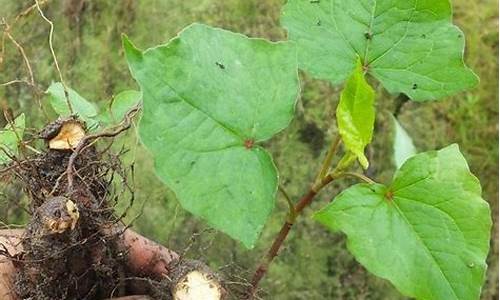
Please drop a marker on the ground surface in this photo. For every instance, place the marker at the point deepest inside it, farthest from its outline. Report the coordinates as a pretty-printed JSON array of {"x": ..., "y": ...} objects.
[{"x": 315, "y": 263}]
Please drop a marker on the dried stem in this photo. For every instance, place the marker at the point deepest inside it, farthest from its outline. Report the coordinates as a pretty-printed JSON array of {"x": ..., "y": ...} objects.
[
  {"x": 29, "y": 10},
  {"x": 112, "y": 132},
  {"x": 359, "y": 176},
  {"x": 51, "y": 46},
  {"x": 20, "y": 48},
  {"x": 15, "y": 81}
]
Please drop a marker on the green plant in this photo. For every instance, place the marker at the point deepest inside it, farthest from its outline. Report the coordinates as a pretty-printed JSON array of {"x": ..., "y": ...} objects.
[{"x": 211, "y": 96}]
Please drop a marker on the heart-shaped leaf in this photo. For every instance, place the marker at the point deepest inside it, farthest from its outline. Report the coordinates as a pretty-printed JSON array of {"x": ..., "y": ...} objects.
[
  {"x": 410, "y": 46},
  {"x": 428, "y": 232},
  {"x": 209, "y": 96},
  {"x": 356, "y": 114}
]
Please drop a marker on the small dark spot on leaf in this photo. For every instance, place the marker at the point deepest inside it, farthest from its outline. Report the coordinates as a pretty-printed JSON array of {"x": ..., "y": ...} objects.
[
  {"x": 415, "y": 86},
  {"x": 177, "y": 182},
  {"x": 249, "y": 143},
  {"x": 313, "y": 136},
  {"x": 423, "y": 36},
  {"x": 368, "y": 35},
  {"x": 314, "y": 1},
  {"x": 193, "y": 162},
  {"x": 459, "y": 36},
  {"x": 318, "y": 23},
  {"x": 220, "y": 65}
]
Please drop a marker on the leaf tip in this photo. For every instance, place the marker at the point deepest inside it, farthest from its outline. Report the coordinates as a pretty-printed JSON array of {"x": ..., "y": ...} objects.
[
  {"x": 363, "y": 161},
  {"x": 132, "y": 53}
]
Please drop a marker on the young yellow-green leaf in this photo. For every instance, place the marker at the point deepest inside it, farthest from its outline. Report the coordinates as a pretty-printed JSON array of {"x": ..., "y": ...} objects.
[
  {"x": 119, "y": 106},
  {"x": 209, "y": 96},
  {"x": 410, "y": 46},
  {"x": 428, "y": 232},
  {"x": 356, "y": 114},
  {"x": 403, "y": 144},
  {"x": 83, "y": 108},
  {"x": 9, "y": 138}
]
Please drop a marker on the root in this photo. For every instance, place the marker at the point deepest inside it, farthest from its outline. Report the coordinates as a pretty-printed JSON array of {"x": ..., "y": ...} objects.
[
  {"x": 191, "y": 280},
  {"x": 74, "y": 246}
]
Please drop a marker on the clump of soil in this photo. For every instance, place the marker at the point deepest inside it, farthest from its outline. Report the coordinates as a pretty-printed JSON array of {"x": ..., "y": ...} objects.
[{"x": 69, "y": 250}]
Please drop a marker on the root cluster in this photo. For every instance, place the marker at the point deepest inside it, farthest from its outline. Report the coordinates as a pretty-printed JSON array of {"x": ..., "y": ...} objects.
[{"x": 73, "y": 247}]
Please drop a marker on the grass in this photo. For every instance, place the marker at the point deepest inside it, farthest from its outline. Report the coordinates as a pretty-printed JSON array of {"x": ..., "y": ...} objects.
[{"x": 315, "y": 263}]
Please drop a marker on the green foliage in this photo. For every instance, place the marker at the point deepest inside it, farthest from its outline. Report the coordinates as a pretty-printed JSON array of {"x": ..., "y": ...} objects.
[
  {"x": 403, "y": 144},
  {"x": 427, "y": 232},
  {"x": 92, "y": 61},
  {"x": 209, "y": 96},
  {"x": 411, "y": 47},
  {"x": 119, "y": 106},
  {"x": 113, "y": 113},
  {"x": 356, "y": 114},
  {"x": 9, "y": 139},
  {"x": 83, "y": 108}
]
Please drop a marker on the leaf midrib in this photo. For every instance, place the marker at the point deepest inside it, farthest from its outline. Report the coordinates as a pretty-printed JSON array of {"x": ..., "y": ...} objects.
[{"x": 184, "y": 99}]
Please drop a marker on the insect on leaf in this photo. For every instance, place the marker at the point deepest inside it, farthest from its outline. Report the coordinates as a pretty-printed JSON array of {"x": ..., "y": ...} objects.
[
  {"x": 209, "y": 97},
  {"x": 410, "y": 46},
  {"x": 9, "y": 138},
  {"x": 427, "y": 232},
  {"x": 356, "y": 114}
]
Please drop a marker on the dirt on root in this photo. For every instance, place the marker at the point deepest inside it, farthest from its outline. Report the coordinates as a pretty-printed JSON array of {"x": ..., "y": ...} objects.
[{"x": 69, "y": 251}]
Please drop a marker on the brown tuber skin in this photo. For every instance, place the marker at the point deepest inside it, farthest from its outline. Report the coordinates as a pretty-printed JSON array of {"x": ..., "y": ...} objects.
[
  {"x": 74, "y": 246},
  {"x": 142, "y": 258},
  {"x": 145, "y": 257}
]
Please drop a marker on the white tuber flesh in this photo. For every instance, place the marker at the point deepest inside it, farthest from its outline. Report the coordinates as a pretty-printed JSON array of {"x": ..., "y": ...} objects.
[{"x": 197, "y": 286}]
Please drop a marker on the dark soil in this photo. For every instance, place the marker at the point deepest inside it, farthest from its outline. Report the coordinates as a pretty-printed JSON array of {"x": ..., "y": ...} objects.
[{"x": 67, "y": 253}]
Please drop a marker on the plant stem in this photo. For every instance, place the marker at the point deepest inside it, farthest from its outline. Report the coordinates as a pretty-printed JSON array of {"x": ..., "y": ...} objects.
[
  {"x": 359, "y": 176},
  {"x": 285, "y": 229},
  {"x": 327, "y": 162},
  {"x": 291, "y": 208}
]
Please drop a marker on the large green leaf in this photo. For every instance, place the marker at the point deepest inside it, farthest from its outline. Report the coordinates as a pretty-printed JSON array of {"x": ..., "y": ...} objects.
[
  {"x": 428, "y": 232},
  {"x": 209, "y": 96},
  {"x": 403, "y": 144},
  {"x": 356, "y": 114},
  {"x": 9, "y": 138},
  {"x": 411, "y": 46},
  {"x": 83, "y": 108}
]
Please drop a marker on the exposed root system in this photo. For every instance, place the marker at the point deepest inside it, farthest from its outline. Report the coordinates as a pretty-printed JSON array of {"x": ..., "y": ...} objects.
[{"x": 69, "y": 250}]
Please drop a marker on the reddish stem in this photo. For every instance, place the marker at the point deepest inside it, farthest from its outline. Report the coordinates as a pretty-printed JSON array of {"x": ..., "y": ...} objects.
[{"x": 282, "y": 235}]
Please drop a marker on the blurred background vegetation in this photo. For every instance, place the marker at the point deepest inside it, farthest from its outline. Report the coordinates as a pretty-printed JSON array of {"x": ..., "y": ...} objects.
[{"x": 315, "y": 263}]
